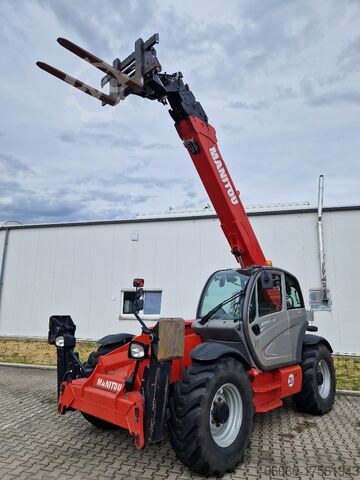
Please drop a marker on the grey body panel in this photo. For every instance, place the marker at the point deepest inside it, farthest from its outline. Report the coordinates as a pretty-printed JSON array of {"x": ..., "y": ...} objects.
[
  {"x": 298, "y": 324},
  {"x": 225, "y": 330},
  {"x": 274, "y": 338},
  {"x": 300, "y": 342}
]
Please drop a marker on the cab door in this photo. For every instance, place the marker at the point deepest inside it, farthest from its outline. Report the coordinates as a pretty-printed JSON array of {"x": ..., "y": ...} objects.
[{"x": 267, "y": 324}]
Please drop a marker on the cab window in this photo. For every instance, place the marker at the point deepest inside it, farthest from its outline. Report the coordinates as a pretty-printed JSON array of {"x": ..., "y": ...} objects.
[
  {"x": 252, "y": 307},
  {"x": 226, "y": 287},
  {"x": 269, "y": 294},
  {"x": 293, "y": 293}
]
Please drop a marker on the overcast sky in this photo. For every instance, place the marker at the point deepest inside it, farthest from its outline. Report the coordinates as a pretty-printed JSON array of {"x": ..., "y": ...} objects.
[{"x": 279, "y": 80}]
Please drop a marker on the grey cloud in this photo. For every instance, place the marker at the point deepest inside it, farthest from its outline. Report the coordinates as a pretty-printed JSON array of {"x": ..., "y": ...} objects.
[
  {"x": 281, "y": 93},
  {"x": 146, "y": 181},
  {"x": 350, "y": 56},
  {"x": 30, "y": 206},
  {"x": 84, "y": 137},
  {"x": 332, "y": 79},
  {"x": 157, "y": 146},
  {"x": 115, "y": 197},
  {"x": 13, "y": 166},
  {"x": 8, "y": 186},
  {"x": 263, "y": 36},
  {"x": 265, "y": 40},
  {"x": 138, "y": 165},
  {"x": 232, "y": 129},
  {"x": 80, "y": 21},
  {"x": 246, "y": 61},
  {"x": 334, "y": 97},
  {"x": 285, "y": 93},
  {"x": 248, "y": 106},
  {"x": 314, "y": 98},
  {"x": 99, "y": 25},
  {"x": 191, "y": 194}
]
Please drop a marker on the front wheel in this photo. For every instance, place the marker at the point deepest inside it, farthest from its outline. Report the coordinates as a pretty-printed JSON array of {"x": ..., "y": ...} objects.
[
  {"x": 317, "y": 394},
  {"x": 211, "y": 416}
]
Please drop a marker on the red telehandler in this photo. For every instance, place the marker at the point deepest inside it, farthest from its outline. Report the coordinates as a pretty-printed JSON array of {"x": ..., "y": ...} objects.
[{"x": 202, "y": 380}]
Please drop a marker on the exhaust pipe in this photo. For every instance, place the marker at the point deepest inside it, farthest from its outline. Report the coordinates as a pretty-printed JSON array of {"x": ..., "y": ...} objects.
[{"x": 325, "y": 298}]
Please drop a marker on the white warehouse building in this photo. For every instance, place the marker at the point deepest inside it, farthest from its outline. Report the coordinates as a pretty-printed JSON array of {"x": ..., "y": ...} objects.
[{"x": 86, "y": 269}]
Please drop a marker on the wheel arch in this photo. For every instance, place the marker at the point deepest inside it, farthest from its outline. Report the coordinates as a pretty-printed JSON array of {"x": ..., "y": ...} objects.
[
  {"x": 310, "y": 339},
  {"x": 211, "y": 351}
]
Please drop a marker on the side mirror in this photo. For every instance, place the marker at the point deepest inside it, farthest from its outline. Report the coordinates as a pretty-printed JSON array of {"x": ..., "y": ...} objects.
[
  {"x": 266, "y": 280},
  {"x": 138, "y": 304}
]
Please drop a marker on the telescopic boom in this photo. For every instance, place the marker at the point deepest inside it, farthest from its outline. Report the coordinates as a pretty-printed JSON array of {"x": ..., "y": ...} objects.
[{"x": 139, "y": 74}]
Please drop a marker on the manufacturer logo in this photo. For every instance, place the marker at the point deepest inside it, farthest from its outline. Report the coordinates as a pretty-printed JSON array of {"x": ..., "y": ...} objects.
[
  {"x": 224, "y": 178},
  {"x": 109, "y": 385},
  {"x": 291, "y": 380},
  {"x": 267, "y": 322}
]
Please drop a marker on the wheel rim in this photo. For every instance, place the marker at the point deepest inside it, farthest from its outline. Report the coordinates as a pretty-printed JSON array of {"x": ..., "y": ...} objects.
[
  {"x": 226, "y": 413},
  {"x": 325, "y": 379}
]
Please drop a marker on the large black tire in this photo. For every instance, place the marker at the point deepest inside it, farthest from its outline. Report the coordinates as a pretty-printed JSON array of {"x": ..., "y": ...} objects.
[
  {"x": 317, "y": 395},
  {"x": 196, "y": 423},
  {"x": 98, "y": 423},
  {"x": 93, "y": 359}
]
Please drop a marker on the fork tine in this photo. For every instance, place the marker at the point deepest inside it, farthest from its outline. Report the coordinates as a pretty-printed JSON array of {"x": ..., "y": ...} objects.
[
  {"x": 74, "y": 82},
  {"x": 98, "y": 63}
]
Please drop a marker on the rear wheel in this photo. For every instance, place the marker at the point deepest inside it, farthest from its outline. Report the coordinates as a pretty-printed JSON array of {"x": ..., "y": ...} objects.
[
  {"x": 211, "y": 416},
  {"x": 98, "y": 423},
  {"x": 317, "y": 395}
]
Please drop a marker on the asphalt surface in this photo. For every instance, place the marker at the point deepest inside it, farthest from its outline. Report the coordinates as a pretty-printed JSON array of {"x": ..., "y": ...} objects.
[{"x": 37, "y": 443}]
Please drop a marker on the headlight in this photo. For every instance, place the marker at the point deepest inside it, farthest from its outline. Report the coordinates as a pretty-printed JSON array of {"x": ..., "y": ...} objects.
[
  {"x": 65, "y": 341},
  {"x": 138, "y": 350},
  {"x": 60, "y": 341}
]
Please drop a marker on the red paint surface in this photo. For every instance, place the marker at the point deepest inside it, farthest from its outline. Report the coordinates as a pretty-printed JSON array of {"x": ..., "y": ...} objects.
[{"x": 125, "y": 409}]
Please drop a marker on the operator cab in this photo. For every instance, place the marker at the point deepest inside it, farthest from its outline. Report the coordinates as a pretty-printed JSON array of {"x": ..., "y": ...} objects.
[{"x": 259, "y": 308}]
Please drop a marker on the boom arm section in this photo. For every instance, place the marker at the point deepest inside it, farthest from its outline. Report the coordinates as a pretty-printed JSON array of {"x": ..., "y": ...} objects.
[
  {"x": 200, "y": 140},
  {"x": 139, "y": 74}
]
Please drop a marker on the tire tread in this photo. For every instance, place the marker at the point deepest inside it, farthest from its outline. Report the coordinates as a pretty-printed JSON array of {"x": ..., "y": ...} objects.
[
  {"x": 309, "y": 400},
  {"x": 185, "y": 418}
]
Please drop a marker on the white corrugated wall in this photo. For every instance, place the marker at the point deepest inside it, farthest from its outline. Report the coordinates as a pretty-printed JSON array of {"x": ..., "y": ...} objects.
[{"x": 81, "y": 270}]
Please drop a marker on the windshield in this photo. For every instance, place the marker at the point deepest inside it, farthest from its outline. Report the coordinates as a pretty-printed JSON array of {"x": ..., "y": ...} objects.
[{"x": 223, "y": 286}]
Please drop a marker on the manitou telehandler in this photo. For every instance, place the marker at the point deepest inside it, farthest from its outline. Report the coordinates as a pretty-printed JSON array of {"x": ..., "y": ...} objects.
[{"x": 247, "y": 349}]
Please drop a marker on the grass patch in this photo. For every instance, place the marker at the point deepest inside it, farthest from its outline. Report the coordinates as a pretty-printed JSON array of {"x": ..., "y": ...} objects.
[
  {"x": 347, "y": 373},
  {"x": 39, "y": 352}
]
